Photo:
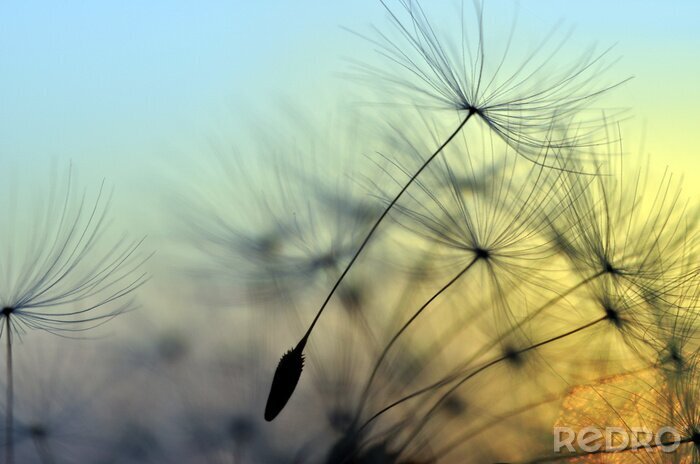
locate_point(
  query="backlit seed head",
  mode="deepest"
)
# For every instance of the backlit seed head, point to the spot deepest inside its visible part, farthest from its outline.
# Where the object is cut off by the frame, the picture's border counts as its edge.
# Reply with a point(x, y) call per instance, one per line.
point(284, 381)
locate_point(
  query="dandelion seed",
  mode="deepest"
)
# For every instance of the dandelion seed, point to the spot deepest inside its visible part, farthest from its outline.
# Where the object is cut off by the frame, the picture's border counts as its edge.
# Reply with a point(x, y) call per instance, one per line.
point(57, 279)
point(626, 229)
point(520, 98)
point(285, 380)
point(294, 233)
point(511, 117)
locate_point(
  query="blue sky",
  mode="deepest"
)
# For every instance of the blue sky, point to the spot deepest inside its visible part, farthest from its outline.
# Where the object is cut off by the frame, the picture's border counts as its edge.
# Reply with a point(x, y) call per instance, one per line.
point(113, 82)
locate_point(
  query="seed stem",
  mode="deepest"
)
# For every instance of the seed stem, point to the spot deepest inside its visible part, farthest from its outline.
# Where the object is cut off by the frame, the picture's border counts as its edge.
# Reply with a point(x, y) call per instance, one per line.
point(9, 413)
point(379, 220)
point(455, 376)
point(492, 363)
point(382, 356)
point(302, 343)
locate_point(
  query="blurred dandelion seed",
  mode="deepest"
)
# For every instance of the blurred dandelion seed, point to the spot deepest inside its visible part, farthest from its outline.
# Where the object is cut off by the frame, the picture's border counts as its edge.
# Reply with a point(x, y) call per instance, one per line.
point(57, 279)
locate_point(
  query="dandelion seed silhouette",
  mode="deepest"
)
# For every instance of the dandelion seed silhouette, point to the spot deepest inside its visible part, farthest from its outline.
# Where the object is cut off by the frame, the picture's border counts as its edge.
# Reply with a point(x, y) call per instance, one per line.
point(285, 380)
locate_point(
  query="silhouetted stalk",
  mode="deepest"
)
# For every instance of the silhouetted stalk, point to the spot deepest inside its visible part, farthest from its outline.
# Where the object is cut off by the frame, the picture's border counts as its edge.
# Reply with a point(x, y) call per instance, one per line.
point(467, 435)
point(437, 346)
point(551, 302)
point(492, 363)
point(9, 400)
point(405, 296)
point(291, 364)
point(470, 433)
point(382, 356)
point(388, 208)
point(475, 431)
point(466, 364)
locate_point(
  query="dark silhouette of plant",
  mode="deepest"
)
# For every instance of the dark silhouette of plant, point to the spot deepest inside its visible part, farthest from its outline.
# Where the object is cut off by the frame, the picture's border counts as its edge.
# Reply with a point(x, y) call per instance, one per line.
point(521, 109)
point(59, 275)
point(517, 265)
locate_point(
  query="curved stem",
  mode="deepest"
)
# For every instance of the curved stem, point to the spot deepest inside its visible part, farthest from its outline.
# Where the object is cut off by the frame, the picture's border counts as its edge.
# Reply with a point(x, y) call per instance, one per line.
point(472, 432)
point(481, 369)
point(460, 372)
point(9, 413)
point(379, 221)
point(382, 356)
point(468, 434)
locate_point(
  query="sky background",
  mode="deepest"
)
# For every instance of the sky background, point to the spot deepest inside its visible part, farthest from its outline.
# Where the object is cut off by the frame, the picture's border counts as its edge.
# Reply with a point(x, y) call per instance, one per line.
point(124, 89)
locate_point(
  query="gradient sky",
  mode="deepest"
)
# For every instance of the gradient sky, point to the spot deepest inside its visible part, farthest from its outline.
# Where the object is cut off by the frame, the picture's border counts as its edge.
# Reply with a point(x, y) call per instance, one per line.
point(121, 86)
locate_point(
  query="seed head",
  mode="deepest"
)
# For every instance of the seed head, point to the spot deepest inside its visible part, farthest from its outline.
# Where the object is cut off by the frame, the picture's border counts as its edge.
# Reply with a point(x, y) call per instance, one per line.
point(284, 381)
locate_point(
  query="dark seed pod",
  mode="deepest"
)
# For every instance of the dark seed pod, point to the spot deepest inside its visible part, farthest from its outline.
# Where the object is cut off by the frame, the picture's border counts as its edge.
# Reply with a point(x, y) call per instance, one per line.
point(285, 380)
